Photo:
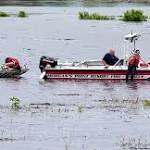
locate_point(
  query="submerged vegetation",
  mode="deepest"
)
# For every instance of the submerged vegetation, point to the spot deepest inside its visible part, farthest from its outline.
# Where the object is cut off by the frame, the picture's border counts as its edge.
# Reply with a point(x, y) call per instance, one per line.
point(4, 14)
point(15, 103)
point(134, 143)
point(94, 16)
point(80, 109)
point(147, 103)
point(134, 15)
point(128, 16)
point(22, 14)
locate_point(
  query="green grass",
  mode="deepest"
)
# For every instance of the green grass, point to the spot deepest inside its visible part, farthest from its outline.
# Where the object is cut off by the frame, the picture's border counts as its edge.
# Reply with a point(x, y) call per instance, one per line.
point(3, 14)
point(22, 14)
point(134, 16)
point(94, 16)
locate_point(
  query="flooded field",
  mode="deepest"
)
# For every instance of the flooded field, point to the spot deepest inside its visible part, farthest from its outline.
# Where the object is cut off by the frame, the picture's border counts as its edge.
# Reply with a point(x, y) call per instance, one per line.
point(101, 124)
point(71, 115)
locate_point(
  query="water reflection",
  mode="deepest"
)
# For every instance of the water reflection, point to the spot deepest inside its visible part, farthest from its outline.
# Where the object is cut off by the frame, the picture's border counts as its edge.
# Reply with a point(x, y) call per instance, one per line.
point(133, 85)
point(96, 89)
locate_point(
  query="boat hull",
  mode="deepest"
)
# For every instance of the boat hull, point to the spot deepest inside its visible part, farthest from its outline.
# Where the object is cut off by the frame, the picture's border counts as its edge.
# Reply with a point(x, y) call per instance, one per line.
point(94, 74)
point(12, 73)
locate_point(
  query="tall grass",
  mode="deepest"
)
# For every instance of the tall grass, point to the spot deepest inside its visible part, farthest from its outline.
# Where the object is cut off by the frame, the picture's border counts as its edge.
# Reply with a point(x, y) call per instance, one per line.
point(93, 16)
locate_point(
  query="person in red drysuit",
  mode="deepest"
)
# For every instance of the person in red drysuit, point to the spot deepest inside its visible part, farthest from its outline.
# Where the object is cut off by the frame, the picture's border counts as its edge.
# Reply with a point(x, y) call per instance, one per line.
point(12, 63)
point(133, 64)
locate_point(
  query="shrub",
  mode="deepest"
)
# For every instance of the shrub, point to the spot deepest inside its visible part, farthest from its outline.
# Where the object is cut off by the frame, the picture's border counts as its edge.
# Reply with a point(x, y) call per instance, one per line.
point(93, 16)
point(134, 15)
point(22, 14)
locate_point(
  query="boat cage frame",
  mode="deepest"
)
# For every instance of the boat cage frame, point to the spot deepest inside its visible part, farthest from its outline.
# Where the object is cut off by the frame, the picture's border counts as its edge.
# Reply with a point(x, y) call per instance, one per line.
point(132, 38)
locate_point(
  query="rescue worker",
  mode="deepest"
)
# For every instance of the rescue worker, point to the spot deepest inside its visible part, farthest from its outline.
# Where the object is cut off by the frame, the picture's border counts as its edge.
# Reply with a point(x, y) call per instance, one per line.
point(12, 63)
point(110, 58)
point(133, 62)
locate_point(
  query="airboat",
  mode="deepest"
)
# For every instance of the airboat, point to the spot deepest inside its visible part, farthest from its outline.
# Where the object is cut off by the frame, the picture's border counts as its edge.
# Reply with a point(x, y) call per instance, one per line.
point(6, 72)
point(95, 69)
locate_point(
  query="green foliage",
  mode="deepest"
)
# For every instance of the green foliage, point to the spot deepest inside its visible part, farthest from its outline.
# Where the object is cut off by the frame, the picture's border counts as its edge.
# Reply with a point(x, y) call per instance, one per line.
point(93, 16)
point(134, 16)
point(80, 109)
point(21, 14)
point(3, 14)
point(15, 102)
point(147, 103)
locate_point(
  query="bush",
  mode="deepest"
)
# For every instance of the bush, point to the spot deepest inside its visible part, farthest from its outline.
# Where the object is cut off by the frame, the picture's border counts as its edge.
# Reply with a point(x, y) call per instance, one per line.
point(134, 15)
point(3, 14)
point(94, 16)
point(15, 102)
point(22, 14)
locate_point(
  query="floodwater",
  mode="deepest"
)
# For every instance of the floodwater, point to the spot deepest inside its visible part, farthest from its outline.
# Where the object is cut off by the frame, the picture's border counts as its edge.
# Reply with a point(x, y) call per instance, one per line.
point(71, 115)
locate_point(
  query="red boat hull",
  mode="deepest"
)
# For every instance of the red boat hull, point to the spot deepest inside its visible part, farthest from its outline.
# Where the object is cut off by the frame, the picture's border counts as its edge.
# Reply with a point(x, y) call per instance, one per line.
point(94, 74)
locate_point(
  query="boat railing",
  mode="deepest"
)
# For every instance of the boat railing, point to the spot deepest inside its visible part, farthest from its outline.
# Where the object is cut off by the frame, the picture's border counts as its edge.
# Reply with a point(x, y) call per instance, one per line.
point(120, 62)
point(90, 63)
point(61, 64)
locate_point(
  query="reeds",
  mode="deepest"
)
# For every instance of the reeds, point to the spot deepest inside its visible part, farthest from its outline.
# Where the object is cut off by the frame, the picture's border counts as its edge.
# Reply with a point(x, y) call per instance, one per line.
point(132, 15)
point(93, 16)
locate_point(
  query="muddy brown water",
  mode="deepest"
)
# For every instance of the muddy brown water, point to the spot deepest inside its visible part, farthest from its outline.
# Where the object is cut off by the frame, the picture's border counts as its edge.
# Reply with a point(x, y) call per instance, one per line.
point(76, 115)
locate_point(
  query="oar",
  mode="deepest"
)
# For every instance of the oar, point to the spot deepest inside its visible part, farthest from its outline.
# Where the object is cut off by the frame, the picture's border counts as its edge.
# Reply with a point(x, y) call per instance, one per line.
point(42, 75)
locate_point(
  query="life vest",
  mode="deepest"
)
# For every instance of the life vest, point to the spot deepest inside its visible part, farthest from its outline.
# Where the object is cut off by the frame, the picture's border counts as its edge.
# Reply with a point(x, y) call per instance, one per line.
point(134, 60)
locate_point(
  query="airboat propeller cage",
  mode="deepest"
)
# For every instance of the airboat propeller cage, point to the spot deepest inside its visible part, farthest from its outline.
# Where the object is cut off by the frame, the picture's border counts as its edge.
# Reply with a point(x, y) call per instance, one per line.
point(132, 37)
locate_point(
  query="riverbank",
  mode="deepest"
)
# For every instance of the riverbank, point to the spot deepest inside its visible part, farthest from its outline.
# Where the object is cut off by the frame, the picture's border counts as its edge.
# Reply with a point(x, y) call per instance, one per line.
point(67, 3)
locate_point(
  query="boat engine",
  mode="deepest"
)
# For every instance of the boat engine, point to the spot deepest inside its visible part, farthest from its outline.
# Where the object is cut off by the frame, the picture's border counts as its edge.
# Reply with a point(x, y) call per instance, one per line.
point(46, 60)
